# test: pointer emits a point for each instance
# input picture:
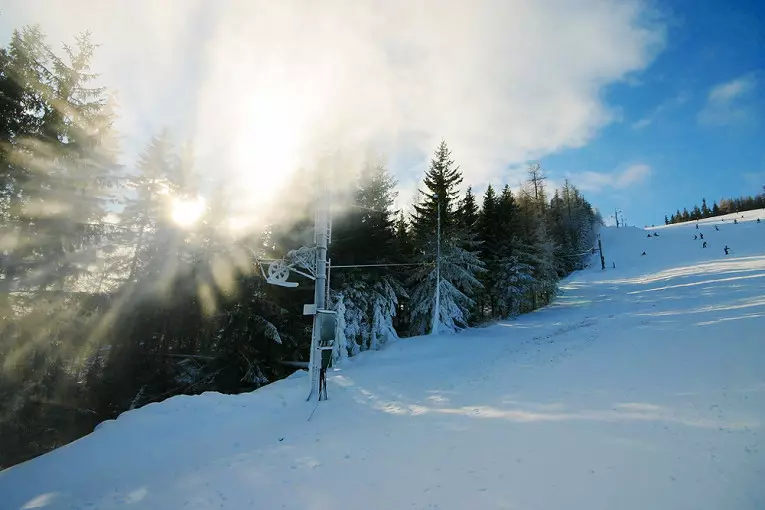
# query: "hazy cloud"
(728, 102)
(619, 179)
(668, 105)
(264, 87)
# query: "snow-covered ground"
(642, 387)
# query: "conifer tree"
(367, 236)
(453, 261)
(705, 212)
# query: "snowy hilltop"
(639, 387)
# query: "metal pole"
(321, 233)
(437, 304)
(602, 258)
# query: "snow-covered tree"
(366, 235)
(341, 347)
(451, 258)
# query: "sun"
(186, 212)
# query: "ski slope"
(641, 387)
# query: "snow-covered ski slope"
(641, 387)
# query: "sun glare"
(186, 212)
(267, 148)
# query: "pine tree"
(705, 212)
(667, 221)
(468, 211)
(64, 163)
(367, 235)
(145, 214)
(489, 235)
(58, 156)
(454, 262)
(515, 281)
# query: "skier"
(704, 245)
(726, 249)
(695, 237)
(701, 236)
(656, 234)
(758, 220)
(642, 254)
(649, 235)
(735, 221)
(697, 226)
(717, 228)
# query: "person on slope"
(758, 220)
(701, 236)
(697, 225)
(642, 254)
(726, 249)
(695, 237)
(735, 221)
(704, 245)
(717, 228)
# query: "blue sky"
(692, 123)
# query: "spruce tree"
(454, 261)
(705, 212)
(366, 235)
(489, 236)
(58, 156)
(514, 281)
(468, 211)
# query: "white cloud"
(728, 102)
(642, 123)
(632, 175)
(670, 104)
(265, 86)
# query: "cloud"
(631, 176)
(264, 87)
(728, 102)
(668, 105)
(643, 123)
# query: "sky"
(646, 106)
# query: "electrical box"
(327, 324)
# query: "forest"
(112, 298)
(726, 206)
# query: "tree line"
(726, 206)
(109, 303)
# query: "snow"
(640, 387)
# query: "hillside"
(641, 387)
